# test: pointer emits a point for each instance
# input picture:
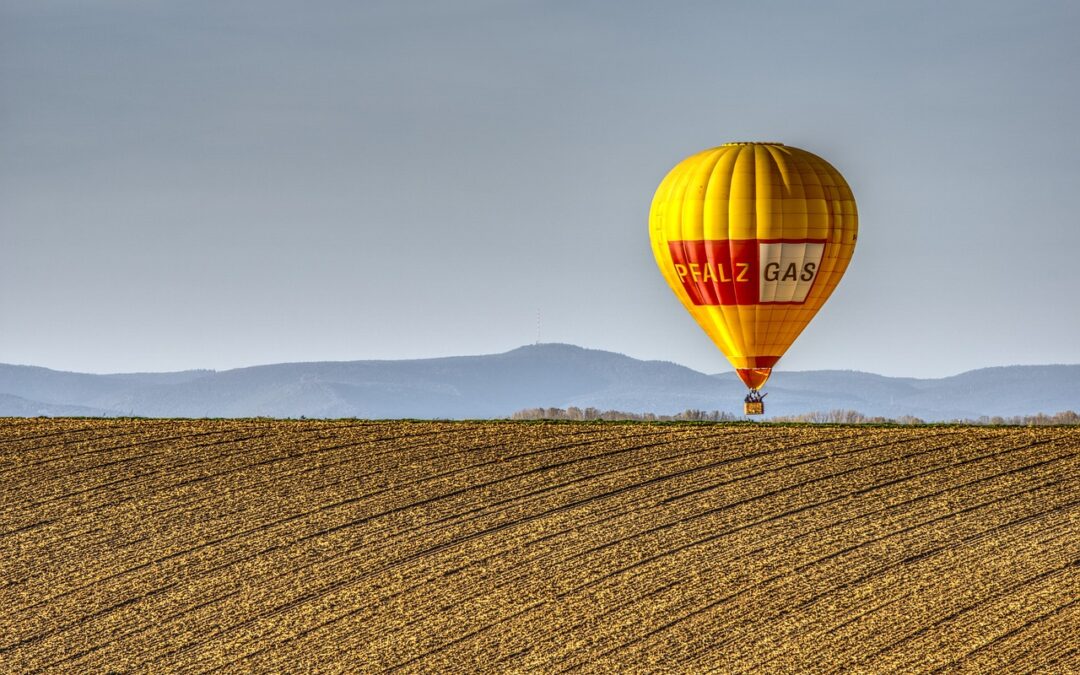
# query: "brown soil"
(356, 546)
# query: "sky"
(220, 184)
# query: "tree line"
(831, 417)
(855, 417)
(585, 414)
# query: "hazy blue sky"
(216, 184)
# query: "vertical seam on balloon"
(851, 223)
(750, 339)
(788, 314)
(714, 159)
(808, 162)
(732, 336)
(718, 331)
(828, 286)
(718, 313)
(835, 274)
(662, 253)
(676, 196)
(777, 318)
(657, 236)
(761, 339)
(687, 179)
(727, 342)
(737, 309)
(807, 159)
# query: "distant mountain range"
(497, 385)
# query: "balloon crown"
(753, 143)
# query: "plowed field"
(160, 545)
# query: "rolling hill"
(497, 385)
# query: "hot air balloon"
(753, 239)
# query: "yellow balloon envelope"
(753, 238)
